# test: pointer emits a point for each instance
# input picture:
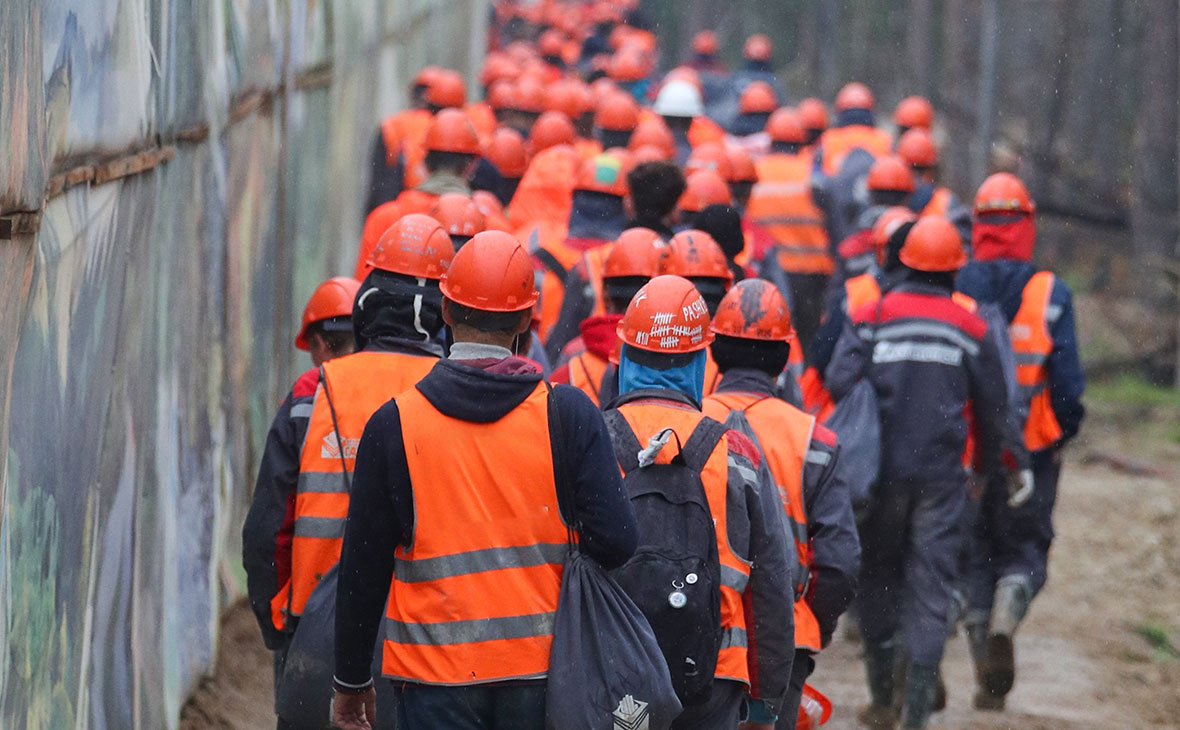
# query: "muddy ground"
(1098, 649)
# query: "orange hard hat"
(914, 111)
(890, 173)
(331, 299)
(702, 189)
(741, 165)
(502, 94)
(656, 133)
(491, 273)
(551, 43)
(693, 254)
(602, 88)
(550, 130)
(417, 245)
(813, 113)
(635, 253)
(754, 309)
(786, 126)
(506, 151)
(651, 153)
(629, 65)
(917, 148)
(705, 43)
(758, 48)
(708, 156)
(459, 215)
(1003, 192)
(570, 97)
(757, 98)
(933, 245)
(855, 95)
(604, 173)
(497, 67)
(425, 76)
(447, 89)
(529, 96)
(618, 36)
(451, 131)
(887, 224)
(669, 316)
(618, 113)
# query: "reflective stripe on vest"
(1032, 344)
(781, 203)
(861, 291)
(473, 597)
(784, 434)
(646, 420)
(586, 372)
(359, 384)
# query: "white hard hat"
(679, 98)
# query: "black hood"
(396, 307)
(475, 395)
(596, 215)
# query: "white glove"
(1020, 487)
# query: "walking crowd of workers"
(659, 291)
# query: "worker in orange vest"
(743, 176)
(890, 183)
(470, 447)
(782, 203)
(291, 537)
(753, 338)
(657, 419)
(387, 167)
(916, 147)
(1014, 531)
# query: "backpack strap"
(626, 443)
(702, 442)
(561, 468)
(549, 261)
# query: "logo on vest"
(631, 714)
(330, 448)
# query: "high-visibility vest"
(473, 596)
(836, 142)
(940, 202)
(712, 374)
(784, 433)
(781, 203)
(1033, 343)
(410, 124)
(860, 291)
(586, 371)
(595, 261)
(646, 420)
(358, 384)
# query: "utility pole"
(985, 110)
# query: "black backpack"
(675, 574)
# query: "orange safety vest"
(1032, 343)
(781, 203)
(396, 129)
(586, 371)
(861, 291)
(837, 142)
(474, 595)
(550, 239)
(358, 385)
(712, 374)
(646, 420)
(595, 261)
(784, 434)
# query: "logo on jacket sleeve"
(631, 714)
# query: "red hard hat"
(693, 254)
(502, 95)
(855, 95)
(813, 113)
(758, 48)
(333, 298)
(741, 165)
(459, 215)
(654, 132)
(425, 76)
(1003, 192)
(618, 113)
(890, 173)
(451, 131)
(629, 65)
(887, 224)
(917, 148)
(709, 156)
(914, 111)
(550, 43)
(497, 67)
(550, 130)
(571, 97)
(757, 98)
(650, 153)
(702, 189)
(668, 316)
(933, 245)
(635, 253)
(754, 309)
(705, 43)
(604, 173)
(506, 151)
(529, 96)
(447, 89)
(417, 245)
(602, 88)
(786, 126)
(491, 273)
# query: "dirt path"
(1082, 659)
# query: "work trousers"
(280, 657)
(1010, 541)
(801, 669)
(910, 541)
(497, 706)
(723, 709)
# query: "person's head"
(758, 50)
(890, 181)
(743, 175)
(678, 103)
(694, 255)
(702, 189)
(326, 331)
(854, 105)
(421, 83)
(572, 98)
(452, 146)
(913, 112)
(786, 131)
(526, 104)
(933, 252)
(917, 149)
(724, 223)
(489, 291)
(1004, 225)
(631, 263)
(665, 332)
(459, 216)
(615, 120)
(884, 228)
(814, 115)
(704, 46)
(758, 98)
(550, 130)
(653, 132)
(752, 328)
(655, 188)
(447, 90)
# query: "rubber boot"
(921, 686)
(977, 644)
(879, 715)
(1011, 603)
